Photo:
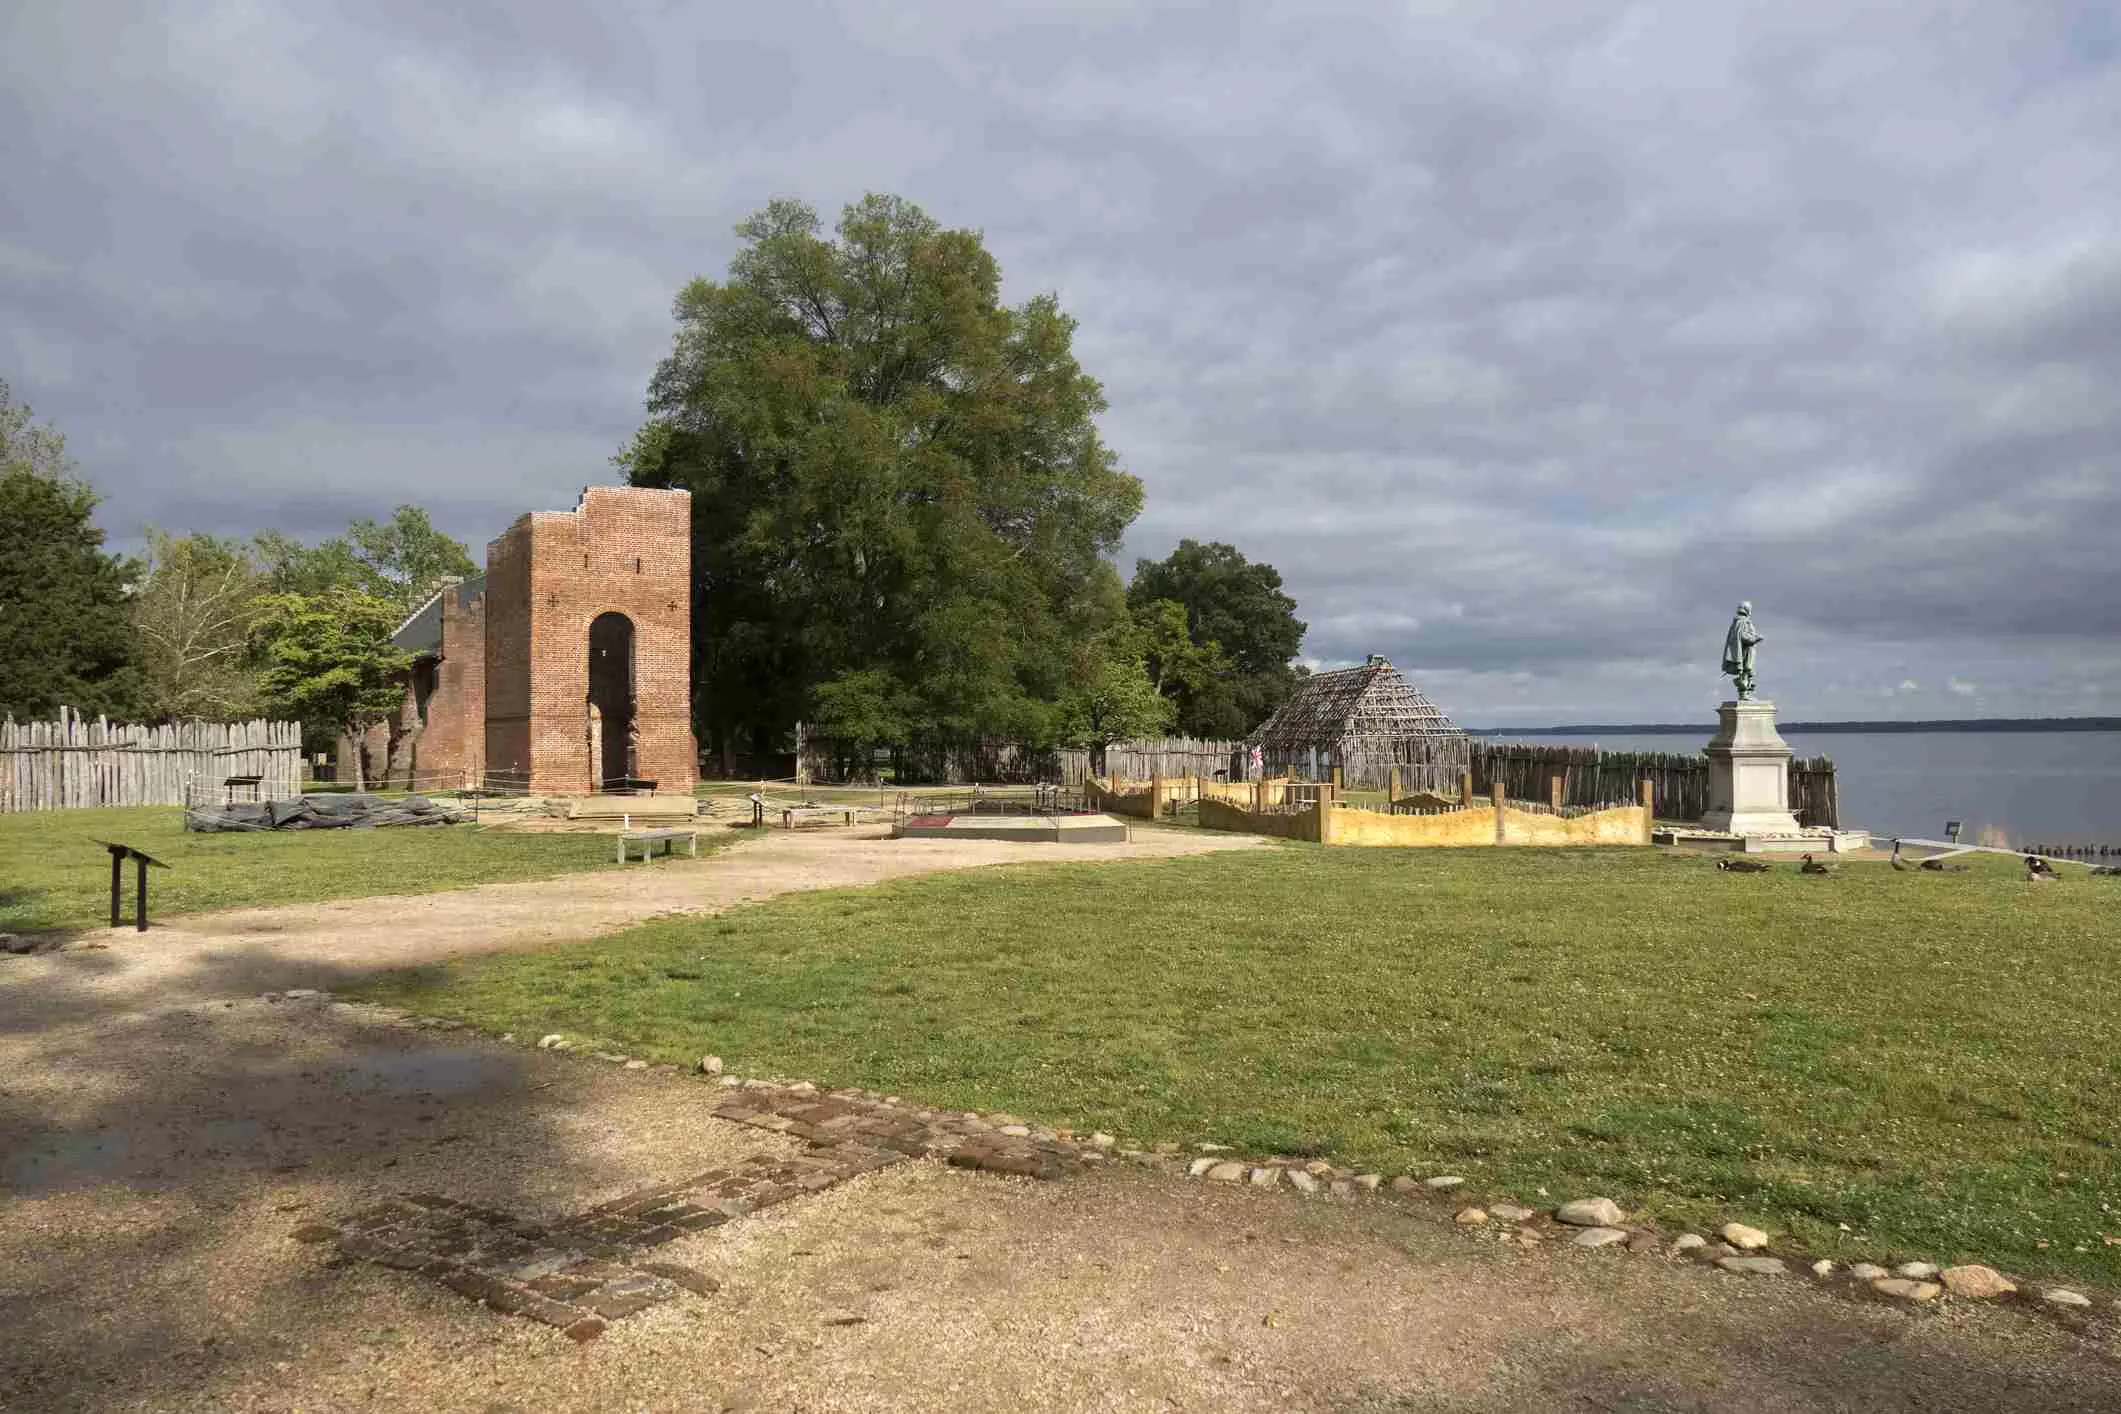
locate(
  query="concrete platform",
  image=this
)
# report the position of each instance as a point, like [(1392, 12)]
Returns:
[(640, 808), (1051, 829), (1812, 839)]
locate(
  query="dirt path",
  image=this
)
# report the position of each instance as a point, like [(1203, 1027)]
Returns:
[(159, 1172), (243, 952)]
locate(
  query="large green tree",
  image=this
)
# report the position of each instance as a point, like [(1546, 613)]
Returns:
[(901, 505), (65, 633), (1238, 618), (329, 661)]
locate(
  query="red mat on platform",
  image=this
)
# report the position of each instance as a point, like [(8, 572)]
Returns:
[(929, 822)]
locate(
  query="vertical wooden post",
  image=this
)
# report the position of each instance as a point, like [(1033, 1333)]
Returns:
[(1498, 788), (1555, 786), (117, 883), (1465, 789), (1156, 797), (1649, 808), (1336, 778), (1259, 797), (1392, 785), (140, 897)]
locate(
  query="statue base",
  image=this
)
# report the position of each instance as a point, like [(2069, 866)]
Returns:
[(1749, 773)]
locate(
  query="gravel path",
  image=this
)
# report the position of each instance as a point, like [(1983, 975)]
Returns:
[(162, 1143), (244, 952)]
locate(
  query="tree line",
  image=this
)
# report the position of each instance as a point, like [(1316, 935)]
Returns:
[(198, 625), (904, 519)]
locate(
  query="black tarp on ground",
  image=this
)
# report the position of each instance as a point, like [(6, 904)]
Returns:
[(320, 812)]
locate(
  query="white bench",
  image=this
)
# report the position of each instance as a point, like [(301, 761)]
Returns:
[(669, 839)]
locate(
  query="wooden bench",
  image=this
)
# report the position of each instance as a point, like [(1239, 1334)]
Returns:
[(669, 839)]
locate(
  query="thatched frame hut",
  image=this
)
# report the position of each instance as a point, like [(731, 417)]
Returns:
[(1366, 720)]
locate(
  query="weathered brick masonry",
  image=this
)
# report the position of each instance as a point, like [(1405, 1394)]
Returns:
[(625, 551), (502, 688)]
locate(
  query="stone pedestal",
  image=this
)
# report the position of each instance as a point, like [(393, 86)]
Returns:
[(1749, 773)]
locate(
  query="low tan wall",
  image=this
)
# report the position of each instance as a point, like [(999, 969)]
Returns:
[(1451, 829), (1244, 794), (1215, 815), (1116, 799), (1623, 824)]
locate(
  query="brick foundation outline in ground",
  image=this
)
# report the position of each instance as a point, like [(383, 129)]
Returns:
[(582, 1272)]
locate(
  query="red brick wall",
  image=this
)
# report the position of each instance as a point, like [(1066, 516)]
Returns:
[(507, 677), (622, 550), (451, 751)]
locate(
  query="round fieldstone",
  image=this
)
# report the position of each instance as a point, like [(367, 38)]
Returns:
[(1822, 1268), (1511, 1213), (710, 1065), (1200, 1166), (1868, 1271), (1102, 1140), (1976, 1281), (1469, 1217), (1745, 1239), (1688, 1242), (1916, 1271), (1227, 1172), (1907, 1289), (1752, 1266), (2063, 1296), (1265, 1177), (1590, 1212), (1303, 1181), (1599, 1237), (1443, 1182), (551, 1043), (1014, 1131)]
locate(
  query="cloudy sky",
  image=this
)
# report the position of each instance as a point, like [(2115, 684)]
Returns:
[(1522, 338)]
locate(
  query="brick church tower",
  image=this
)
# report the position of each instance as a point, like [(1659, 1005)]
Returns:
[(566, 667), (589, 644)]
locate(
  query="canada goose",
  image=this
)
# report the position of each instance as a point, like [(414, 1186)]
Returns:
[(2106, 871), (1938, 866), (1813, 866), (2038, 870), (1900, 866), (1742, 866)]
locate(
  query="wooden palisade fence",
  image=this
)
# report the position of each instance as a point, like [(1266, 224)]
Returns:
[(77, 762), (1146, 760), (1591, 777)]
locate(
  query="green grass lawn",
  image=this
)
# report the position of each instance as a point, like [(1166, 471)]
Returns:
[(54, 876), (1934, 1061)]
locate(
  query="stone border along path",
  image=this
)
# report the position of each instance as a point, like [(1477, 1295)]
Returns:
[(862, 1130)]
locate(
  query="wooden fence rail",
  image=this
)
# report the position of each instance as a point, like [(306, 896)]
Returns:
[(76, 762)]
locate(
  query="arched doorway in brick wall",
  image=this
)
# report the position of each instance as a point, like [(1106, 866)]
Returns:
[(611, 699)]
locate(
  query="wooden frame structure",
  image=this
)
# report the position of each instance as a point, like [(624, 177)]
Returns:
[(1365, 728)]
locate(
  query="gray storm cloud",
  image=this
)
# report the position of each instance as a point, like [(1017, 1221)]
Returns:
[(1522, 339)]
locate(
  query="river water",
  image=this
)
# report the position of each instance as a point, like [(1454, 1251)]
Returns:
[(2047, 788)]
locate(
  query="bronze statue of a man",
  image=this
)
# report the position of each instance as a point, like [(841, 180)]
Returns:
[(1739, 646)]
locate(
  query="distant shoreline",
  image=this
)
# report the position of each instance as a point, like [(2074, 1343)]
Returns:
[(1975, 724)]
